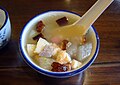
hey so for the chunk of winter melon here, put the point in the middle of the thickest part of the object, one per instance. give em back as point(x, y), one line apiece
point(40, 45)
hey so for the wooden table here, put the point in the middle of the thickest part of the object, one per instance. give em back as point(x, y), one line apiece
point(104, 71)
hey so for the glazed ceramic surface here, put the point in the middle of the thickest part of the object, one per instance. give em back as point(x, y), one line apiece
point(5, 27)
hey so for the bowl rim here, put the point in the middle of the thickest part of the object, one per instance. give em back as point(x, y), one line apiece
point(6, 17)
point(60, 74)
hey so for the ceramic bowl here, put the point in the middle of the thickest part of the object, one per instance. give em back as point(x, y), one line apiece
point(51, 14)
point(5, 27)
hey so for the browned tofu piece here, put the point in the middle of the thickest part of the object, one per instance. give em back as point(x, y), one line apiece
point(62, 21)
point(40, 26)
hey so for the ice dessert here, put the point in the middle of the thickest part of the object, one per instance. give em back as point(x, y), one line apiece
point(58, 54)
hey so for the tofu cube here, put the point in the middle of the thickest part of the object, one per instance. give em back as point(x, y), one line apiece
point(45, 62)
point(84, 51)
point(49, 50)
point(63, 57)
point(40, 45)
point(30, 49)
point(75, 64)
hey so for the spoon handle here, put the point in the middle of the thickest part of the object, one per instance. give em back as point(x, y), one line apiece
point(93, 13)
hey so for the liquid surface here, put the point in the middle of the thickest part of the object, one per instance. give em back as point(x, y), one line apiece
point(51, 30)
point(2, 18)
point(70, 33)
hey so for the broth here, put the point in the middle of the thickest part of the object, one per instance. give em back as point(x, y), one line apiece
point(50, 31)
point(2, 18)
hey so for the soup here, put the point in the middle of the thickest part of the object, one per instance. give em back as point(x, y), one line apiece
point(2, 18)
point(57, 53)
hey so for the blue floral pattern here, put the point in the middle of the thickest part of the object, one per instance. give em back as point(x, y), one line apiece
point(3, 39)
point(5, 30)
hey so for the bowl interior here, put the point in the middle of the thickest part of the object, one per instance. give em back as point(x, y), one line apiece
point(2, 17)
point(49, 19)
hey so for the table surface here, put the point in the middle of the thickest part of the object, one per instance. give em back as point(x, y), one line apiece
point(104, 71)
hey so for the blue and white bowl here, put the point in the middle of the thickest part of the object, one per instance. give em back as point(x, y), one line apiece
point(5, 27)
point(92, 34)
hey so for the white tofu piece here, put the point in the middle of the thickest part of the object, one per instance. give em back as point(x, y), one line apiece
point(63, 57)
point(40, 45)
point(75, 64)
point(55, 49)
point(84, 51)
point(49, 50)
point(30, 49)
point(45, 62)
point(72, 50)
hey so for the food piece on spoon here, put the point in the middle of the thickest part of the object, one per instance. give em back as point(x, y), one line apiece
point(62, 21)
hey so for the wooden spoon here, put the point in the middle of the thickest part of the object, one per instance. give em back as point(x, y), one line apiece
point(81, 26)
